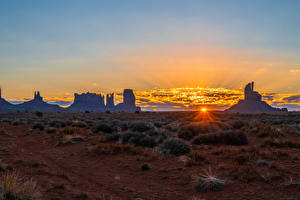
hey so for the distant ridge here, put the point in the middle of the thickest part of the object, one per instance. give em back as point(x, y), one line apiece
point(91, 102)
point(253, 103)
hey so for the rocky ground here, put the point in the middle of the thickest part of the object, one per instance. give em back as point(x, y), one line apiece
point(171, 155)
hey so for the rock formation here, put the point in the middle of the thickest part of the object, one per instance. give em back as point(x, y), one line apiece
point(37, 104)
point(4, 105)
point(110, 102)
point(253, 103)
point(95, 103)
point(128, 104)
point(88, 102)
point(82, 102)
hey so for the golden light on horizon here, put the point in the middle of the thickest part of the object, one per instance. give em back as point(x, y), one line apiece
point(203, 109)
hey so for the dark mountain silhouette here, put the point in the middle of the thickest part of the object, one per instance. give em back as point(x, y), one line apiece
point(5, 105)
point(87, 102)
point(253, 103)
point(37, 104)
point(95, 103)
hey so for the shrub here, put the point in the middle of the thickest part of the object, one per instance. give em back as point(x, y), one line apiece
point(141, 126)
point(16, 188)
point(72, 139)
point(79, 124)
point(159, 136)
point(226, 137)
point(175, 146)
point(68, 130)
point(103, 127)
point(265, 130)
point(189, 131)
point(281, 144)
point(237, 124)
point(50, 130)
point(206, 182)
point(38, 126)
point(58, 124)
point(39, 114)
point(111, 137)
point(138, 139)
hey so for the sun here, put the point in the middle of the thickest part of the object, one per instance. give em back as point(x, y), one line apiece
point(203, 109)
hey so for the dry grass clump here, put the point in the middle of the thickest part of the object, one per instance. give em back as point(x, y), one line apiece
point(68, 130)
point(207, 182)
point(266, 130)
point(17, 188)
point(50, 130)
point(72, 139)
point(117, 148)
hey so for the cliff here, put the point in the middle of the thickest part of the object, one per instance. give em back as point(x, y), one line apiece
point(253, 103)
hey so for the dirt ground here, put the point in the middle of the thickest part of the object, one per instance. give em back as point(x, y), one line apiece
point(268, 167)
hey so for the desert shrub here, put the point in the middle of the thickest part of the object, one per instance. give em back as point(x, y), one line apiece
point(141, 126)
point(50, 130)
point(39, 114)
point(174, 146)
point(103, 127)
point(227, 137)
point(17, 123)
point(265, 130)
point(158, 135)
point(189, 131)
point(16, 188)
point(111, 137)
point(237, 124)
point(68, 130)
point(138, 139)
point(38, 126)
point(58, 123)
point(79, 124)
point(72, 139)
point(281, 143)
point(207, 182)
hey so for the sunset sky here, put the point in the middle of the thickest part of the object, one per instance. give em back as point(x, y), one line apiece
point(175, 54)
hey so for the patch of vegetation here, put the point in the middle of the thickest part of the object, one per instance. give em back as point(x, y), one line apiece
point(265, 130)
point(229, 137)
point(39, 114)
point(16, 188)
point(141, 126)
point(38, 126)
point(175, 147)
point(103, 127)
point(207, 182)
point(138, 139)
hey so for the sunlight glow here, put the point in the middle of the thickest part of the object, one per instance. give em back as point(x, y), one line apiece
point(203, 109)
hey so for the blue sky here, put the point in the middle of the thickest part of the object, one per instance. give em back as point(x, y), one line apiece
point(69, 46)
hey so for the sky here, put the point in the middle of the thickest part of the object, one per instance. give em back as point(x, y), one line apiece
point(175, 54)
